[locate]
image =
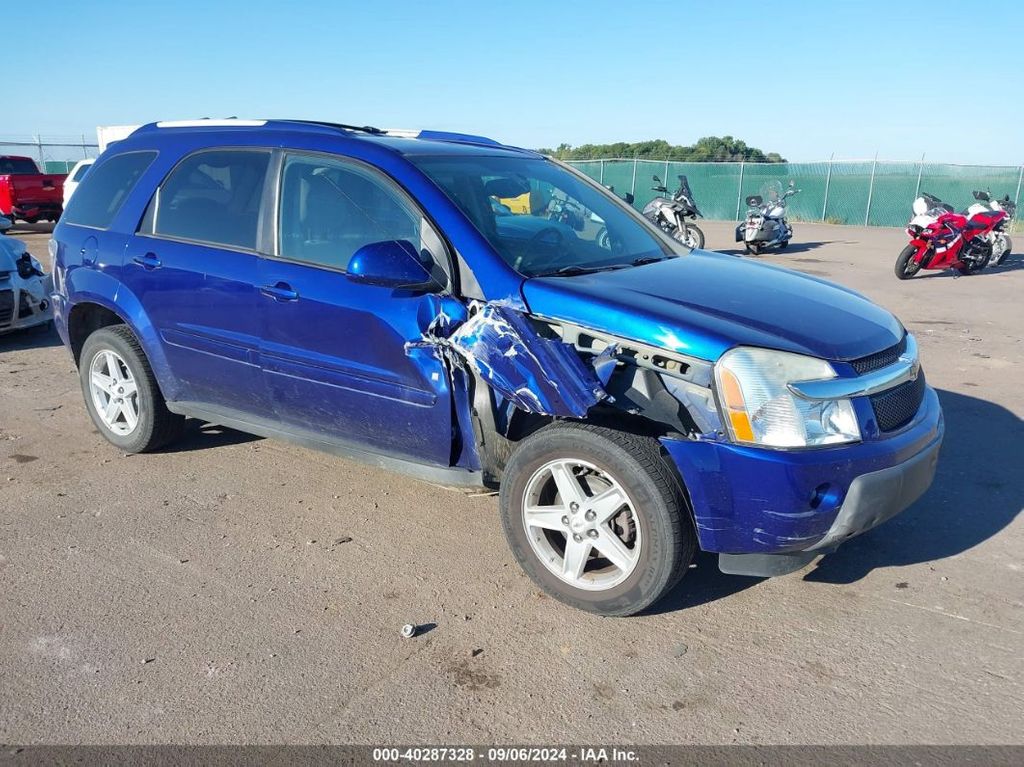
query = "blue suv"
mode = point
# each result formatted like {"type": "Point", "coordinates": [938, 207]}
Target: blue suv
{"type": "Point", "coordinates": [421, 301]}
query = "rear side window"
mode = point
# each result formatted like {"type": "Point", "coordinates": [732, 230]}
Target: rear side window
{"type": "Point", "coordinates": [104, 190]}
{"type": "Point", "coordinates": [211, 197]}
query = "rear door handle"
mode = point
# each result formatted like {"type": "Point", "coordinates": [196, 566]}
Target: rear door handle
{"type": "Point", "coordinates": [280, 291]}
{"type": "Point", "coordinates": [148, 261]}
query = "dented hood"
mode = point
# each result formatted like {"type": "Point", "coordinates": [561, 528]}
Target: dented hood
{"type": "Point", "coordinates": [704, 303]}
{"type": "Point", "coordinates": [10, 251]}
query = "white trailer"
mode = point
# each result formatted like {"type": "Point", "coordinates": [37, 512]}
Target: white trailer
{"type": "Point", "coordinates": [108, 134]}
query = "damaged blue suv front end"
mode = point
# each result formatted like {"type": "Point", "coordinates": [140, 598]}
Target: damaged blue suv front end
{"type": "Point", "coordinates": [794, 410]}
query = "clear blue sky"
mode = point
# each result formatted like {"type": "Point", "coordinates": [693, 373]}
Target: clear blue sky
{"type": "Point", "coordinates": [803, 78]}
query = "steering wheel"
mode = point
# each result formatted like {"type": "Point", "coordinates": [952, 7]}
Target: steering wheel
{"type": "Point", "coordinates": [542, 236]}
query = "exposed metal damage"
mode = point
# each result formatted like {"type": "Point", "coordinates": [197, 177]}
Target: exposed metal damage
{"type": "Point", "coordinates": [24, 288]}
{"type": "Point", "coordinates": [557, 370]}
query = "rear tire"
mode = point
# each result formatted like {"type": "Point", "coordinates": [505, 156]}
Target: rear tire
{"type": "Point", "coordinates": [647, 527]}
{"type": "Point", "coordinates": [906, 267]}
{"type": "Point", "coordinates": [113, 366]}
{"type": "Point", "coordinates": [1005, 253]}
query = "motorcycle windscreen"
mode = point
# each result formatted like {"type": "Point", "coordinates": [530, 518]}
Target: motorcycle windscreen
{"type": "Point", "coordinates": [684, 190]}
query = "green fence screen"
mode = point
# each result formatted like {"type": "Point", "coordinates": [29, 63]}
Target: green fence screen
{"type": "Point", "coordinates": [873, 193]}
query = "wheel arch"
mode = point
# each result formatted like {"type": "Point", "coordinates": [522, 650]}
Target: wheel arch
{"type": "Point", "coordinates": [91, 310]}
{"type": "Point", "coordinates": [522, 425]}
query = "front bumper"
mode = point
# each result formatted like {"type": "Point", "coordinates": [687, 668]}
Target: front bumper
{"type": "Point", "coordinates": [753, 501]}
{"type": "Point", "coordinates": [36, 211]}
{"type": "Point", "coordinates": [24, 303]}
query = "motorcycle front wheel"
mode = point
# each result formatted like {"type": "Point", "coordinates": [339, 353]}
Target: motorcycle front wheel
{"type": "Point", "coordinates": [906, 266]}
{"type": "Point", "coordinates": [752, 248]}
{"type": "Point", "coordinates": [692, 237]}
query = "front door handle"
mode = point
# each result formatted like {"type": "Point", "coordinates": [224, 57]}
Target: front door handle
{"type": "Point", "coordinates": [280, 291]}
{"type": "Point", "coordinates": [148, 261]}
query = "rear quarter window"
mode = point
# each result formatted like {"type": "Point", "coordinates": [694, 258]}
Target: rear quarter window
{"type": "Point", "coordinates": [105, 188]}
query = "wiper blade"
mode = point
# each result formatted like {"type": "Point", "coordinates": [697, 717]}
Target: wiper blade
{"type": "Point", "coordinates": [643, 260]}
{"type": "Point", "coordinates": [574, 269]}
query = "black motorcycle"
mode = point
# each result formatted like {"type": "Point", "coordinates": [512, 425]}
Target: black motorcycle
{"type": "Point", "coordinates": [671, 214]}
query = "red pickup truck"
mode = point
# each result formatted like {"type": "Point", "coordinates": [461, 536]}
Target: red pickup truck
{"type": "Point", "coordinates": [26, 193]}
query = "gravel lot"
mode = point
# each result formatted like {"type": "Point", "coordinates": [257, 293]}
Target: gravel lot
{"type": "Point", "coordinates": [235, 589]}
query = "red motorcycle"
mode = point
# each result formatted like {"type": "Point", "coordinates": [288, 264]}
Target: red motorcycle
{"type": "Point", "coordinates": [943, 239]}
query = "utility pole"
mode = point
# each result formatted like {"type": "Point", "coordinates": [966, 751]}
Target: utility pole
{"type": "Point", "coordinates": [739, 191]}
{"type": "Point", "coordinates": [871, 190]}
{"type": "Point", "coordinates": [828, 182]}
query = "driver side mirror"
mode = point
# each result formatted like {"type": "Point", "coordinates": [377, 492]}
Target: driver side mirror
{"type": "Point", "coordinates": [628, 197]}
{"type": "Point", "coordinates": [390, 264]}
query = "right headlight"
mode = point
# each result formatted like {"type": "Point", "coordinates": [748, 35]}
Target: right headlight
{"type": "Point", "coordinates": [759, 408]}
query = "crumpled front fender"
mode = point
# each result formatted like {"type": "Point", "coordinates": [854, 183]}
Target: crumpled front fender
{"type": "Point", "coordinates": [539, 374]}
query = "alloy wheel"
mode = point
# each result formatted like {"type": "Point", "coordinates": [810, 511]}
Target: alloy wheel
{"type": "Point", "coordinates": [581, 524]}
{"type": "Point", "coordinates": [115, 394]}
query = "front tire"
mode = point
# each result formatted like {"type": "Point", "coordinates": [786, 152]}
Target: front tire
{"type": "Point", "coordinates": [906, 267]}
{"type": "Point", "coordinates": [692, 237]}
{"type": "Point", "coordinates": [596, 517]}
{"type": "Point", "coordinates": [121, 393]}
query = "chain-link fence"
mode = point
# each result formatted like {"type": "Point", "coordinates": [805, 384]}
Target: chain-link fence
{"type": "Point", "coordinates": [872, 193]}
{"type": "Point", "coordinates": [54, 154]}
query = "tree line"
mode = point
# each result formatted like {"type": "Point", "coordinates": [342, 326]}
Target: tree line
{"type": "Point", "coordinates": [707, 149]}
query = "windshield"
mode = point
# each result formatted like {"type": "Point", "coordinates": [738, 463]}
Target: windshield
{"type": "Point", "coordinates": [771, 192]}
{"type": "Point", "coordinates": [81, 171]}
{"type": "Point", "coordinates": [541, 218]}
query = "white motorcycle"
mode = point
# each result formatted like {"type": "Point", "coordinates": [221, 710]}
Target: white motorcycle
{"type": "Point", "coordinates": [997, 238]}
{"type": "Point", "coordinates": [765, 225]}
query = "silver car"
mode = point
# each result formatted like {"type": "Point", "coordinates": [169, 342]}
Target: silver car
{"type": "Point", "coordinates": [24, 288]}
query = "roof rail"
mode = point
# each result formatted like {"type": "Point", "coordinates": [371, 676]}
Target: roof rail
{"type": "Point", "coordinates": [429, 135]}
{"type": "Point", "coordinates": [341, 126]}
{"type": "Point", "coordinates": [208, 123]}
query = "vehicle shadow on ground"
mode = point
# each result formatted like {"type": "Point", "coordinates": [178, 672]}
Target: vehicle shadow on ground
{"type": "Point", "coordinates": [1012, 263]}
{"type": "Point", "coordinates": [200, 435]}
{"type": "Point", "coordinates": [32, 338]}
{"type": "Point", "coordinates": [704, 583]}
{"type": "Point", "coordinates": [793, 247]}
{"type": "Point", "coordinates": [42, 227]}
{"type": "Point", "coordinates": [976, 494]}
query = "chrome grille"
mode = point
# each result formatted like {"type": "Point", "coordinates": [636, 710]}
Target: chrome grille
{"type": "Point", "coordinates": [6, 306]}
